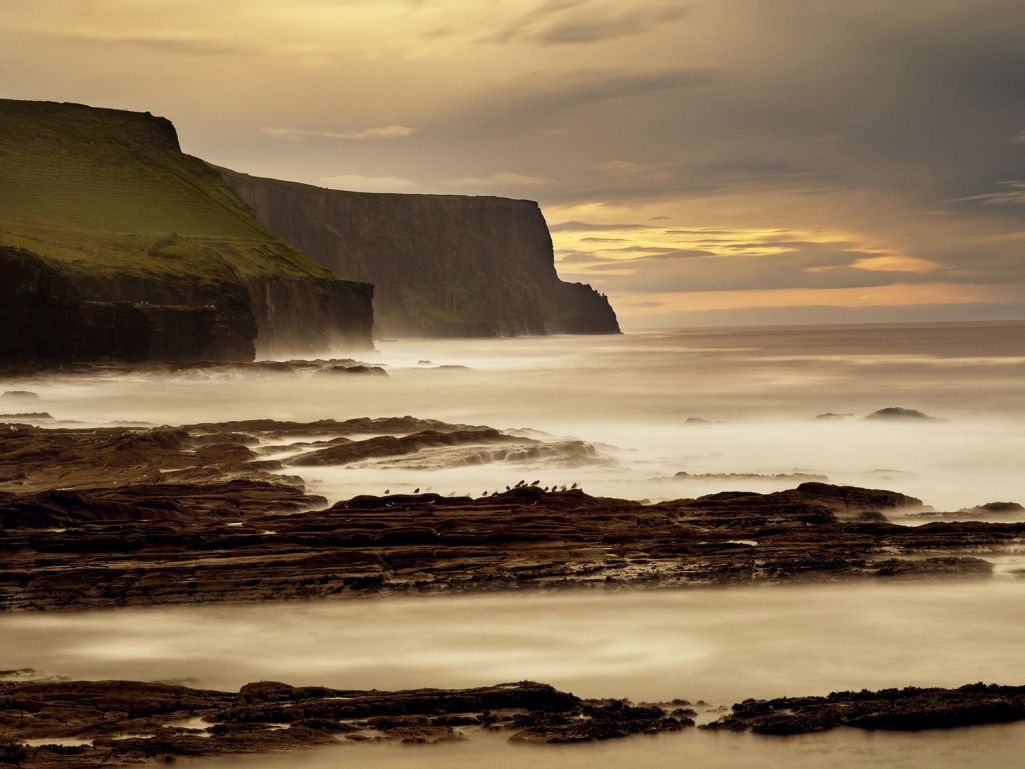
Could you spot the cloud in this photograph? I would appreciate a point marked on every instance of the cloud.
(161, 41)
(503, 179)
(595, 85)
(577, 226)
(660, 252)
(617, 166)
(895, 263)
(573, 22)
(1010, 194)
(301, 134)
(359, 183)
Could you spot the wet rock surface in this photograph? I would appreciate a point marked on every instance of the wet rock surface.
(910, 709)
(995, 511)
(53, 723)
(117, 723)
(99, 517)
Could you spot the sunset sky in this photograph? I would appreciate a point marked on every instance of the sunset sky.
(706, 162)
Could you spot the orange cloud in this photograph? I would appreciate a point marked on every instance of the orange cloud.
(895, 263)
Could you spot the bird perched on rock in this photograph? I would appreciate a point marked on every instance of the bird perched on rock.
(387, 491)
(416, 490)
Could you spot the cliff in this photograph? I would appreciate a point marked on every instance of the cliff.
(114, 244)
(441, 265)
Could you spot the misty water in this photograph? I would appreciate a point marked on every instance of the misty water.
(717, 645)
(759, 391)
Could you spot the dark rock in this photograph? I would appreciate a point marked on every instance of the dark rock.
(602, 720)
(270, 717)
(183, 503)
(910, 709)
(996, 508)
(950, 567)
(897, 413)
(389, 445)
(872, 516)
(372, 370)
(168, 543)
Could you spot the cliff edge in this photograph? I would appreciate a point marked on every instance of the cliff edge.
(441, 265)
(116, 245)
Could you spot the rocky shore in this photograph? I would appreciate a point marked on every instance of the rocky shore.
(77, 724)
(46, 724)
(114, 516)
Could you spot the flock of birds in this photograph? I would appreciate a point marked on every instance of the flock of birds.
(521, 485)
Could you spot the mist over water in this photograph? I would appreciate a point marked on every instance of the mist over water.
(993, 747)
(719, 645)
(759, 389)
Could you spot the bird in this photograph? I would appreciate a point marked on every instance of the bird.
(574, 485)
(416, 490)
(535, 483)
(507, 488)
(387, 491)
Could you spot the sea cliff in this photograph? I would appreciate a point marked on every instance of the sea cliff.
(441, 265)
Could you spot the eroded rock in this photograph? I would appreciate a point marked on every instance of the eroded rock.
(910, 709)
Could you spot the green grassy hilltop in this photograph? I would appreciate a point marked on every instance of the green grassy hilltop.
(115, 245)
(99, 191)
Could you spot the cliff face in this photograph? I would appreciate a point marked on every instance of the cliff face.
(298, 316)
(47, 316)
(116, 245)
(441, 265)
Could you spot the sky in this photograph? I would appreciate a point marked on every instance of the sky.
(714, 162)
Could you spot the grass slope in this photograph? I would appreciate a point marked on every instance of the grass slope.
(97, 191)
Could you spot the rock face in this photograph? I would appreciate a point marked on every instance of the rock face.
(116, 245)
(442, 265)
(48, 315)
